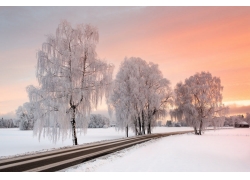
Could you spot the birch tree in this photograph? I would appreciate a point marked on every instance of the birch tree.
(122, 99)
(140, 96)
(157, 94)
(72, 81)
(199, 101)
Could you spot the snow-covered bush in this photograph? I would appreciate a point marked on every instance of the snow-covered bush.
(98, 121)
(25, 114)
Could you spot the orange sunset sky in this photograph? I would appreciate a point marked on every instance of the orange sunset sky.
(181, 40)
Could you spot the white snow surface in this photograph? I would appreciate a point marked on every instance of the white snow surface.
(14, 142)
(225, 150)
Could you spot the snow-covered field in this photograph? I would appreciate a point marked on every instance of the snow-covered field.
(226, 150)
(15, 142)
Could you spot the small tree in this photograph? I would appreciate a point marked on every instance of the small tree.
(247, 118)
(199, 101)
(98, 121)
(25, 114)
(72, 80)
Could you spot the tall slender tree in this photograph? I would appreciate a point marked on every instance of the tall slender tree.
(72, 80)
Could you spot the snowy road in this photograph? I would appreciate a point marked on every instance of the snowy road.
(60, 159)
(15, 142)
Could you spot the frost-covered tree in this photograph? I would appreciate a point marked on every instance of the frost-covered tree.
(7, 123)
(247, 118)
(157, 95)
(232, 120)
(25, 114)
(218, 122)
(140, 96)
(122, 100)
(199, 101)
(176, 115)
(1, 123)
(72, 81)
(98, 121)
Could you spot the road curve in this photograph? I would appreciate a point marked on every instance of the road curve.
(60, 159)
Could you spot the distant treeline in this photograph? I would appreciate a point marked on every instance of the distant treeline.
(96, 121)
(9, 123)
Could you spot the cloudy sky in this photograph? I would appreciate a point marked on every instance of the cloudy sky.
(182, 40)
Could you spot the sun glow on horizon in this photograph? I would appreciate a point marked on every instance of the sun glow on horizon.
(237, 103)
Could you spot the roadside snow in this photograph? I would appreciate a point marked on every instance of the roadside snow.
(14, 142)
(226, 150)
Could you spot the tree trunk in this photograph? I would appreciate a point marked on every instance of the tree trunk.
(149, 125)
(149, 128)
(139, 121)
(143, 123)
(195, 131)
(28, 125)
(136, 131)
(200, 128)
(127, 130)
(73, 123)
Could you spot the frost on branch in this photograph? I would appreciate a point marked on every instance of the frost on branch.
(72, 81)
(199, 102)
(140, 96)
